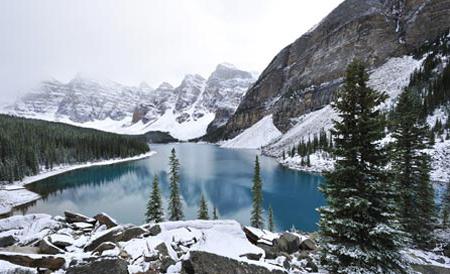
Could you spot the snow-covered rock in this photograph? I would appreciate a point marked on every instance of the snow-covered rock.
(259, 135)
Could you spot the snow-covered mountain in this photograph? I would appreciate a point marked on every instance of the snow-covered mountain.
(184, 111)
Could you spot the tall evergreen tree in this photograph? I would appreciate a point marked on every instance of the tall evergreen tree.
(359, 228)
(154, 207)
(271, 224)
(256, 219)
(175, 206)
(215, 215)
(411, 169)
(445, 208)
(203, 209)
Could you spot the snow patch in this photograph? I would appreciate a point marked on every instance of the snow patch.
(260, 134)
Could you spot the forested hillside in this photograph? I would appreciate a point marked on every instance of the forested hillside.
(27, 145)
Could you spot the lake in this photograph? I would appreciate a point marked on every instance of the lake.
(223, 175)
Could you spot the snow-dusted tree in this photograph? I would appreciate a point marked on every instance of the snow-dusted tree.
(175, 206)
(271, 225)
(256, 218)
(411, 170)
(215, 215)
(203, 209)
(446, 207)
(154, 207)
(359, 228)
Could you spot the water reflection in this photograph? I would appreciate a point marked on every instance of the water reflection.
(223, 175)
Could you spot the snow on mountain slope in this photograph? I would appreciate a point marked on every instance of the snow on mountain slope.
(185, 111)
(391, 77)
(260, 134)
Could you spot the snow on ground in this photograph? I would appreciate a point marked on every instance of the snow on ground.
(393, 76)
(185, 131)
(307, 125)
(440, 161)
(15, 194)
(320, 162)
(166, 123)
(260, 134)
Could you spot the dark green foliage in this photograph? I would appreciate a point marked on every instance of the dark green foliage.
(154, 207)
(175, 206)
(215, 214)
(359, 229)
(256, 219)
(271, 224)
(411, 171)
(445, 208)
(26, 145)
(203, 209)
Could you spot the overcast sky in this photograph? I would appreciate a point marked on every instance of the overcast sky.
(149, 40)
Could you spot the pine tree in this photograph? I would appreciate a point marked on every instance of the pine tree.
(359, 230)
(175, 206)
(215, 216)
(445, 208)
(256, 219)
(154, 206)
(411, 172)
(203, 209)
(271, 222)
(426, 217)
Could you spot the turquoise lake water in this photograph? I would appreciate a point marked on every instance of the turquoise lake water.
(223, 175)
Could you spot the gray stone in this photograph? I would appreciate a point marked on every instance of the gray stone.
(431, 269)
(34, 260)
(72, 217)
(162, 249)
(100, 266)
(131, 233)
(104, 219)
(154, 230)
(252, 256)
(201, 262)
(270, 251)
(165, 263)
(288, 243)
(103, 247)
(46, 247)
(308, 244)
(111, 235)
(7, 241)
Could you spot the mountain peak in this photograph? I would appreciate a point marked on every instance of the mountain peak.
(165, 86)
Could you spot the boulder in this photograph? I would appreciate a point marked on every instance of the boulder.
(33, 260)
(103, 247)
(100, 266)
(131, 233)
(252, 237)
(431, 269)
(288, 243)
(7, 241)
(165, 263)
(72, 217)
(46, 247)
(154, 230)
(208, 263)
(105, 219)
(109, 235)
(162, 249)
(61, 240)
(83, 226)
(308, 244)
(252, 256)
(270, 251)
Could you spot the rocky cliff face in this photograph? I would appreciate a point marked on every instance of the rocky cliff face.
(305, 74)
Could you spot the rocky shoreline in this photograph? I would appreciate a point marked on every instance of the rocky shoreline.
(40, 243)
